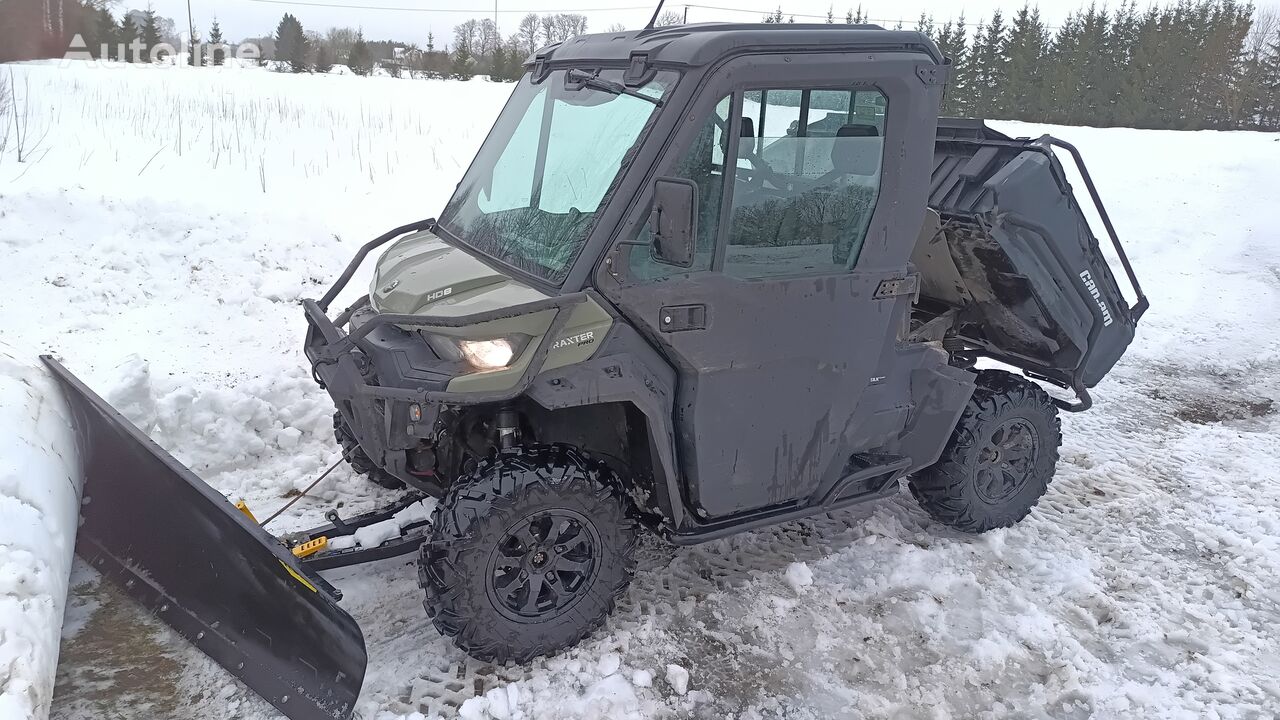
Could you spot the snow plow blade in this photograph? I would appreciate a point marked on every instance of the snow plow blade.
(179, 548)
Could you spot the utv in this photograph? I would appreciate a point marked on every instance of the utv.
(702, 279)
(698, 279)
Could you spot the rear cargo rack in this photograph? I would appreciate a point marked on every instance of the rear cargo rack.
(976, 132)
(1017, 260)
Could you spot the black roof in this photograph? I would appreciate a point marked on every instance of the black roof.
(702, 43)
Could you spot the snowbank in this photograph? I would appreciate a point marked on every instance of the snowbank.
(39, 503)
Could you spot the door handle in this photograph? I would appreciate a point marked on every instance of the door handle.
(678, 318)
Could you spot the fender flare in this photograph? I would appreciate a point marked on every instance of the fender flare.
(626, 370)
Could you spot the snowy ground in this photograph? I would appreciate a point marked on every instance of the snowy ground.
(162, 229)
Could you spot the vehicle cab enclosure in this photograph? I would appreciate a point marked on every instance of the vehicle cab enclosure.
(687, 251)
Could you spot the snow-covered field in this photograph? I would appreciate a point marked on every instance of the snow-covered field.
(166, 222)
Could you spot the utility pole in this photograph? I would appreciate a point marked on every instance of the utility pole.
(191, 36)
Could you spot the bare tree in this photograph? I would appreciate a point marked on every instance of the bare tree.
(550, 32)
(670, 17)
(466, 37)
(6, 101)
(339, 42)
(572, 24)
(562, 26)
(529, 36)
(26, 144)
(617, 28)
(1266, 24)
(488, 38)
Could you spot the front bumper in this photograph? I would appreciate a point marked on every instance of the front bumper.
(374, 404)
(380, 368)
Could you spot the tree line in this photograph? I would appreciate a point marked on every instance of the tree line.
(477, 48)
(1189, 64)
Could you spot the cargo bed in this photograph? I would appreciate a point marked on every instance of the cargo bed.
(1009, 266)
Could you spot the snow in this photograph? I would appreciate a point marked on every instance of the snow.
(609, 664)
(371, 536)
(642, 678)
(378, 533)
(678, 678)
(798, 576)
(158, 267)
(39, 503)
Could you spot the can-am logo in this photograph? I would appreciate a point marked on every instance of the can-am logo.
(432, 297)
(1092, 287)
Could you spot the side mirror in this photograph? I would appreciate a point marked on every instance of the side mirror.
(674, 221)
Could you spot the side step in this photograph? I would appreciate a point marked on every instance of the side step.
(176, 546)
(869, 476)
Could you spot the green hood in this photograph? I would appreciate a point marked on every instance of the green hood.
(422, 275)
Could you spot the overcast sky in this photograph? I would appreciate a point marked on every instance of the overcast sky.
(410, 20)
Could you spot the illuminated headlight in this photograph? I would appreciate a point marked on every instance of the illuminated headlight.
(488, 354)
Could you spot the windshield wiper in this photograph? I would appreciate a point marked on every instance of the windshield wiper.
(582, 79)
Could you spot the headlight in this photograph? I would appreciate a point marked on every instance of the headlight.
(488, 354)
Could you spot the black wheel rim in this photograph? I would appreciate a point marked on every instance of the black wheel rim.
(543, 564)
(1006, 458)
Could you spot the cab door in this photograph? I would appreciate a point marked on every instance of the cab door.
(811, 193)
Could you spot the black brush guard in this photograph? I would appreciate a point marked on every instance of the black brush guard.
(201, 566)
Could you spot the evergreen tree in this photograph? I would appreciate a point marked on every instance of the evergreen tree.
(150, 35)
(1063, 78)
(219, 50)
(359, 59)
(102, 35)
(463, 64)
(324, 60)
(952, 40)
(1124, 46)
(831, 18)
(848, 17)
(128, 33)
(775, 17)
(1225, 66)
(111, 34)
(925, 24)
(1097, 73)
(503, 60)
(1023, 91)
(1269, 86)
(989, 68)
(291, 44)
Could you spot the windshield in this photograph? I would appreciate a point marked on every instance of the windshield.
(532, 191)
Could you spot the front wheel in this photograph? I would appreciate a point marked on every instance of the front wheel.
(528, 554)
(1000, 459)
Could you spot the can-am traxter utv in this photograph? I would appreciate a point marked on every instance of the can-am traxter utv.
(697, 280)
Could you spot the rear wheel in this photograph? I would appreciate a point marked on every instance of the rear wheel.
(528, 554)
(1000, 459)
(358, 459)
